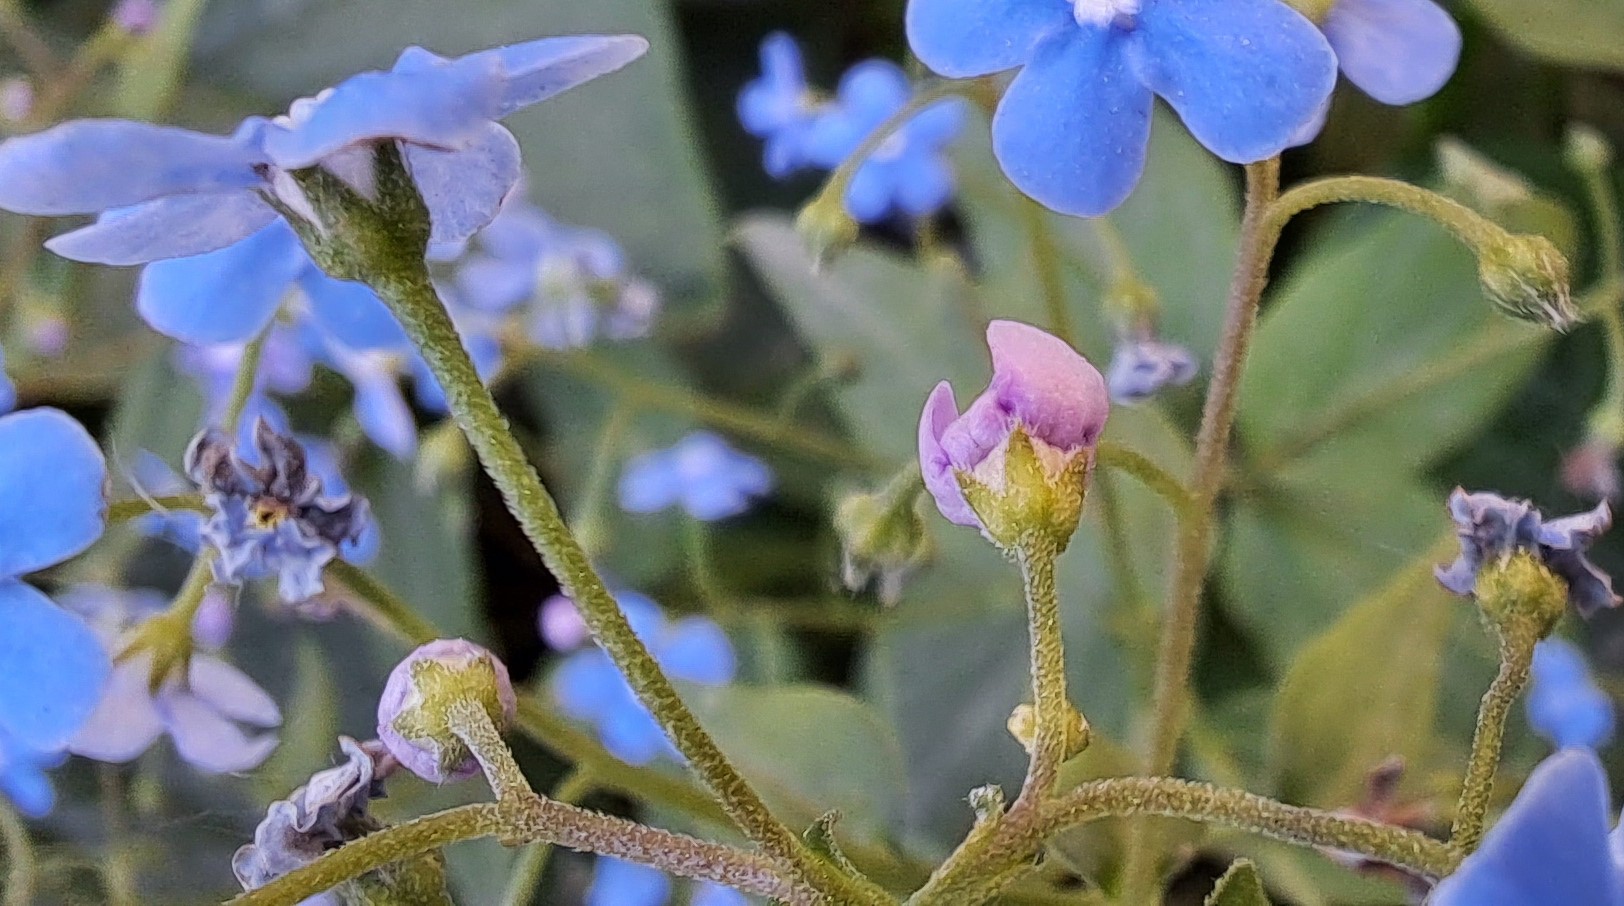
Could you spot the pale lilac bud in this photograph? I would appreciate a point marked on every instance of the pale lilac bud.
(415, 710)
(561, 625)
(1039, 385)
(215, 619)
(135, 16)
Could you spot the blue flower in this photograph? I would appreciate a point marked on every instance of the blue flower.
(908, 174)
(702, 474)
(1397, 51)
(271, 517)
(620, 883)
(589, 687)
(1551, 846)
(1142, 366)
(1564, 703)
(1244, 75)
(1491, 528)
(52, 667)
(779, 107)
(171, 193)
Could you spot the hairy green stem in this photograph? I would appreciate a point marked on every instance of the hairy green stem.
(473, 725)
(1054, 712)
(531, 865)
(1469, 226)
(1157, 479)
(1471, 813)
(244, 381)
(411, 295)
(1170, 698)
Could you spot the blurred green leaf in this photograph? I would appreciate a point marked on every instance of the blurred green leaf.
(1240, 886)
(427, 553)
(150, 72)
(310, 729)
(1575, 32)
(809, 749)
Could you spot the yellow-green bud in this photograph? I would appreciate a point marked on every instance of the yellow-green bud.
(1023, 725)
(415, 711)
(1036, 492)
(1132, 304)
(1527, 278)
(826, 227)
(883, 537)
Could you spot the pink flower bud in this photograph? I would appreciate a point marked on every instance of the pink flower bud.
(414, 712)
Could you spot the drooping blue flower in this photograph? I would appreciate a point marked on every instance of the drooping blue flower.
(171, 193)
(1396, 51)
(1141, 366)
(52, 668)
(909, 174)
(701, 473)
(1564, 703)
(779, 107)
(1244, 75)
(1551, 846)
(1491, 528)
(589, 687)
(617, 882)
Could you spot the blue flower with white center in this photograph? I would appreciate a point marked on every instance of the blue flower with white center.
(617, 882)
(52, 667)
(1564, 703)
(1071, 132)
(1396, 51)
(589, 687)
(167, 193)
(779, 107)
(909, 173)
(1552, 846)
(702, 474)
(1492, 528)
(1142, 366)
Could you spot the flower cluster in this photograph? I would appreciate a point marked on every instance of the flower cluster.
(1492, 528)
(701, 474)
(907, 175)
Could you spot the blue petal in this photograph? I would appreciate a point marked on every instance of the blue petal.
(385, 417)
(179, 226)
(585, 685)
(52, 668)
(536, 70)
(1564, 703)
(52, 482)
(965, 38)
(350, 311)
(1551, 846)
(631, 735)
(649, 483)
(1245, 75)
(697, 650)
(464, 188)
(496, 284)
(444, 106)
(645, 616)
(868, 198)
(924, 186)
(23, 781)
(8, 391)
(937, 124)
(620, 883)
(1072, 129)
(226, 296)
(776, 100)
(1398, 51)
(873, 90)
(88, 166)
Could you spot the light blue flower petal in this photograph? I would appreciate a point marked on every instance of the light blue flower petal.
(868, 198)
(496, 284)
(89, 166)
(642, 613)
(1564, 703)
(708, 894)
(52, 490)
(649, 483)
(1072, 129)
(585, 684)
(1244, 75)
(937, 124)
(179, 226)
(964, 38)
(26, 785)
(445, 106)
(697, 650)
(924, 186)
(631, 735)
(8, 391)
(350, 311)
(1397, 51)
(227, 296)
(536, 70)
(620, 883)
(52, 668)
(464, 188)
(1551, 846)
(873, 90)
(776, 100)
(385, 418)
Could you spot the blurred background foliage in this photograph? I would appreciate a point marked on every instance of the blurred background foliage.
(1381, 379)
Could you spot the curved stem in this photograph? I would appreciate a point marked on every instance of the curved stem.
(390, 611)
(1516, 655)
(1046, 259)
(411, 295)
(1160, 481)
(531, 865)
(470, 722)
(125, 510)
(244, 381)
(1471, 227)
(1607, 419)
(926, 94)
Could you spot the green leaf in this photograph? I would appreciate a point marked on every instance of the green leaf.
(151, 71)
(426, 556)
(1575, 32)
(1240, 886)
(1365, 690)
(810, 749)
(307, 738)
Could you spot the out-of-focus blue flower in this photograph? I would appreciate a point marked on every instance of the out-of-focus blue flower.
(620, 883)
(1492, 528)
(1396, 51)
(271, 518)
(589, 688)
(52, 667)
(1551, 846)
(701, 473)
(908, 174)
(205, 712)
(1245, 76)
(285, 367)
(8, 391)
(1142, 366)
(779, 107)
(709, 894)
(171, 193)
(565, 285)
(1564, 703)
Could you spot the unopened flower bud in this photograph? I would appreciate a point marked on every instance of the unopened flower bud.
(1587, 150)
(1527, 278)
(827, 228)
(415, 711)
(1023, 725)
(883, 537)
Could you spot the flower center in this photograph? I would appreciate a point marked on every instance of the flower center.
(267, 513)
(1104, 12)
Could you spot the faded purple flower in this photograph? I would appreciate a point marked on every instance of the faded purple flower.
(1040, 384)
(412, 708)
(1142, 366)
(1492, 528)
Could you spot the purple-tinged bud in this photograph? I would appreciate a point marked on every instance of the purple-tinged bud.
(1017, 459)
(415, 710)
(215, 619)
